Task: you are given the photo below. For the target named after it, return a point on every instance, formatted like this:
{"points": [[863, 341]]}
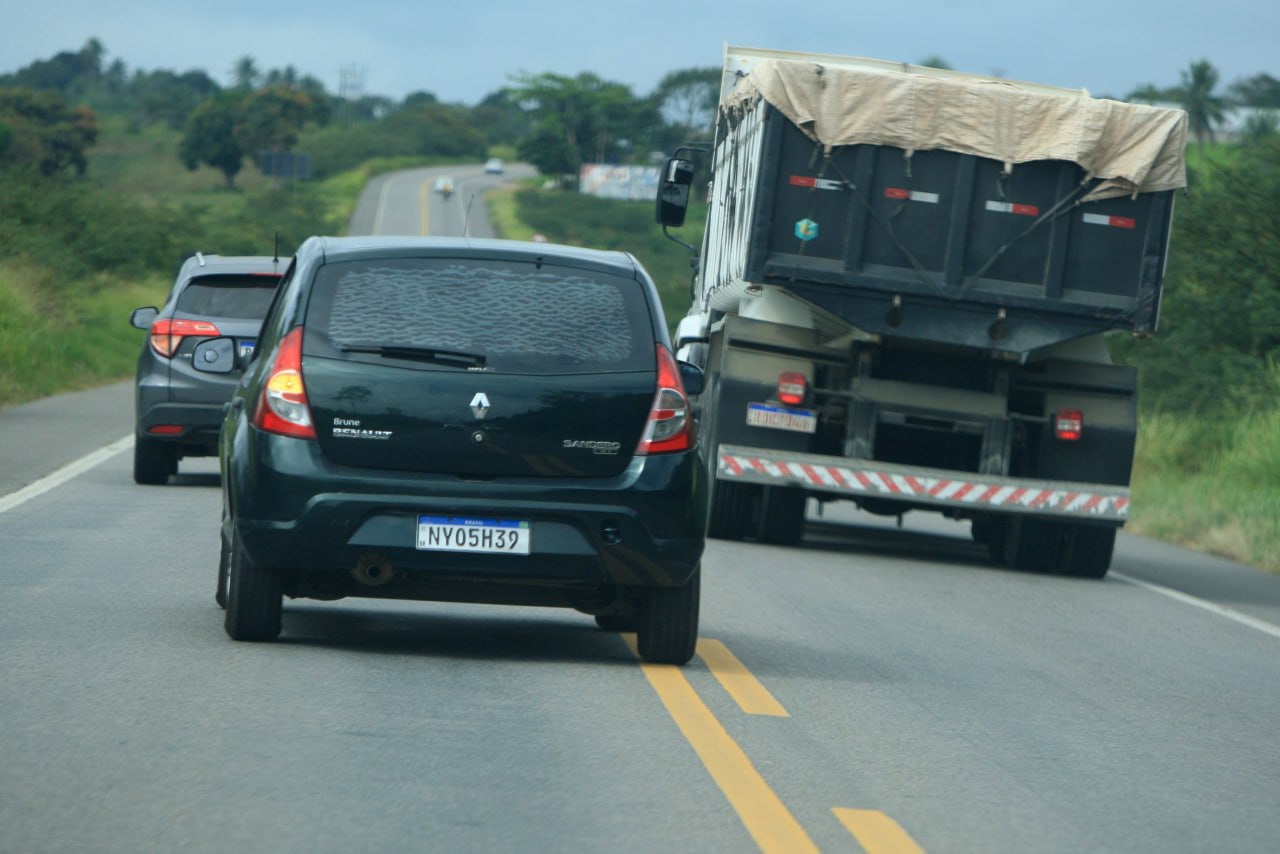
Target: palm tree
{"points": [[1204, 109], [245, 74]]}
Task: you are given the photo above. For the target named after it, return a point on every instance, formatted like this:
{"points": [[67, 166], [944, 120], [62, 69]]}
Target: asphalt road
{"points": [[875, 688]]}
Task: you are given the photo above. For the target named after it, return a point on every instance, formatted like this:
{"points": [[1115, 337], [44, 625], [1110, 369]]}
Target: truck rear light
{"points": [[670, 426], [284, 408], [167, 333], [793, 388], [1068, 425]]}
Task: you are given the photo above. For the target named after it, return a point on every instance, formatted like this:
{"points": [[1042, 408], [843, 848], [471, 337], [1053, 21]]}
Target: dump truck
{"points": [[904, 292]]}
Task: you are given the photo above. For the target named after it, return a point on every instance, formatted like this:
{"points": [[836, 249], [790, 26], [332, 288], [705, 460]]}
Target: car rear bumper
{"points": [[295, 511]]}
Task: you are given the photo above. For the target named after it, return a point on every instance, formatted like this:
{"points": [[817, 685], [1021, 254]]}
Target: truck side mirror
{"points": [[673, 191]]}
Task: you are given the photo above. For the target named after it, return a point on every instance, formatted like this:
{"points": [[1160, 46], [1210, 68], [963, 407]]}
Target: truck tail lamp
{"points": [[284, 408], [1068, 425], [793, 388], [167, 333]]}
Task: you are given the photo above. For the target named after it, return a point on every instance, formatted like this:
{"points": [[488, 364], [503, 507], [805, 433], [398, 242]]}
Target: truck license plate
{"points": [[467, 534], [782, 418]]}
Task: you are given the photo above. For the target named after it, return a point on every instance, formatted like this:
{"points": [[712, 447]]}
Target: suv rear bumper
{"points": [[201, 423], [295, 511]]}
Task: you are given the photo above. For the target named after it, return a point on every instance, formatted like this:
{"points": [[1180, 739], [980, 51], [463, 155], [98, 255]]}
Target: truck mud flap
{"points": [[962, 491]]}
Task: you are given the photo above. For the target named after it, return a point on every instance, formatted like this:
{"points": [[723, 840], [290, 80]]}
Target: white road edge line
{"points": [[64, 474], [382, 206], [1220, 610]]}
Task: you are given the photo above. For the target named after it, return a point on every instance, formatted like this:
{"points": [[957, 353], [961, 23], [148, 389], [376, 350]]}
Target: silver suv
{"points": [[179, 410]]}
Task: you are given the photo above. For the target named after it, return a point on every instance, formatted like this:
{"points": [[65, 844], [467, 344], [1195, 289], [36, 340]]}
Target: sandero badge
{"points": [[359, 458]]}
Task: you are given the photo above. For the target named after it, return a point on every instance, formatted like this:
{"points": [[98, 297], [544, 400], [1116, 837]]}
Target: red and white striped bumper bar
{"points": [[852, 478]]}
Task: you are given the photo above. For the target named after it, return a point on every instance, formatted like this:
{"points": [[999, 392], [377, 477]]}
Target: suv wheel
{"points": [[254, 597], [667, 630], [153, 462]]}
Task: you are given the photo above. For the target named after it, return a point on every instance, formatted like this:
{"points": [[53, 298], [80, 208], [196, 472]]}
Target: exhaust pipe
{"points": [[373, 569]]}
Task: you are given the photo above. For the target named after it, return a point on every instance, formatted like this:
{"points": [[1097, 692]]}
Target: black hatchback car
{"points": [[178, 411], [463, 420]]}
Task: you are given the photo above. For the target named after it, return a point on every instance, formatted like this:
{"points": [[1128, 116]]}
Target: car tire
{"points": [[667, 629], [153, 462], [255, 597], [224, 562], [617, 622]]}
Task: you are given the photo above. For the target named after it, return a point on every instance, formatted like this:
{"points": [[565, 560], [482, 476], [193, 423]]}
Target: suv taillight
{"points": [[167, 333], [284, 408], [670, 426]]}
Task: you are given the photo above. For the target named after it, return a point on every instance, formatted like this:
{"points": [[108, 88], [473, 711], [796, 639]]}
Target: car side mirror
{"points": [[215, 356], [142, 318], [673, 191], [692, 377]]}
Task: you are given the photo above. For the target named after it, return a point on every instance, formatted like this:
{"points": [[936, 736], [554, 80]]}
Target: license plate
{"points": [[782, 418], [466, 534], [246, 349]]}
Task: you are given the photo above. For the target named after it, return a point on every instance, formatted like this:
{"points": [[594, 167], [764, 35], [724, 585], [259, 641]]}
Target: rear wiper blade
{"points": [[420, 354]]}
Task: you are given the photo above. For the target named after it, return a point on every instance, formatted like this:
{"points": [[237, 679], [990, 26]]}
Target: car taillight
{"points": [[1068, 425], [284, 408], [167, 333], [670, 426], [793, 388]]}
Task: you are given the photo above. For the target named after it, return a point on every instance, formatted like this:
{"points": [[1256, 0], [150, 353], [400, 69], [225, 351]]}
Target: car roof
{"points": [[357, 248], [200, 264]]}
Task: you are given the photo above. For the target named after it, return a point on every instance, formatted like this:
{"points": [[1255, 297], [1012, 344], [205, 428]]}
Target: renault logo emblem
{"points": [[479, 405]]}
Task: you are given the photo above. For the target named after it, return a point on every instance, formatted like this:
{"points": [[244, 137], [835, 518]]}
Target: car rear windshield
{"points": [[242, 296], [516, 317]]}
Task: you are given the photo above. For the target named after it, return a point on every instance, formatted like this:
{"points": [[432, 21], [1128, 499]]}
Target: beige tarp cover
{"points": [[1132, 148]]}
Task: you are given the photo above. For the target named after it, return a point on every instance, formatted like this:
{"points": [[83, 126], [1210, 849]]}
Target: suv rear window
{"points": [[244, 296], [521, 317]]}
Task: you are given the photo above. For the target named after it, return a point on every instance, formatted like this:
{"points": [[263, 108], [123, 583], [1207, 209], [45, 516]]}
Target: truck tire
{"points": [[255, 597], [667, 628], [1034, 544], [153, 462], [732, 509], [1089, 551], [782, 515]]}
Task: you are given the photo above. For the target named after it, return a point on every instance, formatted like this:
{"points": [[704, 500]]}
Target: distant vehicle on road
{"points": [[444, 186], [464, 420], [494, 166], [178, 409]]}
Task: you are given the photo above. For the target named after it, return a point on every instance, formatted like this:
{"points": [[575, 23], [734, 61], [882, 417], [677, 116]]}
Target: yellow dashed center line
{"points": [[745, 689], [876, 832], [763, 814]]}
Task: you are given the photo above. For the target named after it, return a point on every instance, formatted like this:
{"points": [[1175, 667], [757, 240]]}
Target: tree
{"points": [[245, 74], [688, 100], [44, 133], [210, 136], [270, 118], [1204, 108], [1260, 90], [935, 61]]}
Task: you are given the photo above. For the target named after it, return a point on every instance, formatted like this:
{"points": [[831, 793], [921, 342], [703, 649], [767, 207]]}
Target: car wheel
{"points": [[617, 622], [667, 629], [153, 462], [254, 596], [224, 561]]}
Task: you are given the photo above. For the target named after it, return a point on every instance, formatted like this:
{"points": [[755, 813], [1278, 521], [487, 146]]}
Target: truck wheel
{"points": [[732, 506], [782, 515], [254, 597], [1034, 544], [1089, 551], [153, 462], [667, 629]]}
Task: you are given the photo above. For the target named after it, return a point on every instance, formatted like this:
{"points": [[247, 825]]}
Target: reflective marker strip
{"points": [[910, 195], [1007, 207], [815, 183], [1113, 221], [1062, 500]]}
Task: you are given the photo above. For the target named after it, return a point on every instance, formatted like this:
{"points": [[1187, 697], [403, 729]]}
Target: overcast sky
{"points": [[462, 51]]}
